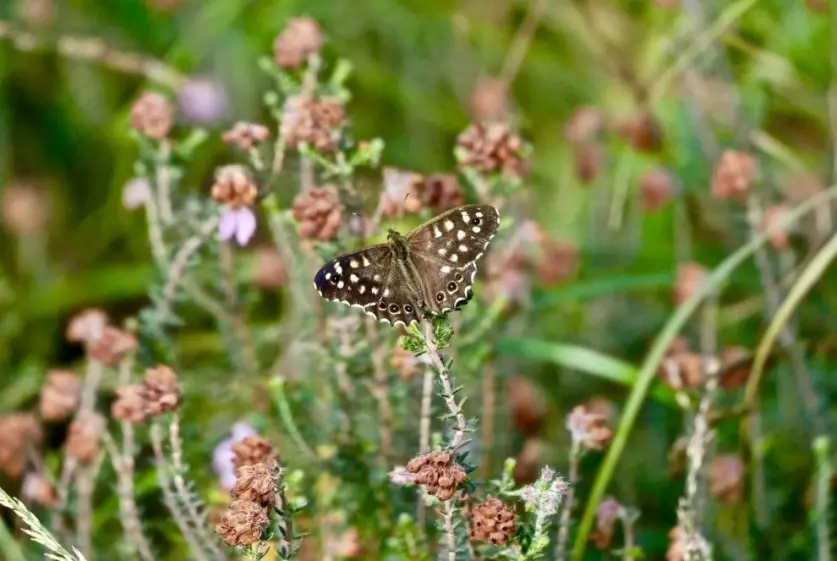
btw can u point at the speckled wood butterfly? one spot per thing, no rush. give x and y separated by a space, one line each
431 269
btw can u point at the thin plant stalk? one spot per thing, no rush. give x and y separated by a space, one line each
566 510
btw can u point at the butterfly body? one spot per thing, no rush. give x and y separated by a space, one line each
430 270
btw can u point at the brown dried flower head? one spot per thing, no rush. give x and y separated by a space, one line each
255 483
557 262
506 276
584 125
642 132
60 395
83 437
39 489
588 160
243 523
129 404
269 269
160 390
114 345
726 478
527 406
607 513
402 192
689 278
253 450
234 186
246 135
24 209
442 192
87 326
152 115
319 213
489 100
492 521
490 148
677 545
656 189
734 175
406 363
316 122
774 216
588 429
529 462
346 545
736 363
19 434
300 39
438 473
683 370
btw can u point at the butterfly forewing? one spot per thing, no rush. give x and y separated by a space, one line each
356 278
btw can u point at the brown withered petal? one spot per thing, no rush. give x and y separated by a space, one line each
682 371
526 404
588 428
114 345
129 404
86 326
584 125
642 132
318 212
253 450
528 462
316 122
689 278
246 135
489 100
243 523
438 473
152 115
234 186
726 478
656 189
38 489
735 367
161 392
255 483
607 514
83 437
734 175
60 395
301 38
443 192
490 148
19 433
492 521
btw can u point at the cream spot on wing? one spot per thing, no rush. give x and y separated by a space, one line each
445 269
448 225
340 284
479 215
365 261
436 231
377 277
386 293
354 264
374 290
463 248
328 276
443 251
466 217
354 278
460 235
454 257
475 229
338 268
362 288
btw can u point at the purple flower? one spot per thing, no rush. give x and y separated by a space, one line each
203 100
239 222
136 193
222 456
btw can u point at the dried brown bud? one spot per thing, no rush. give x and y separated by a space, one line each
526 405
438 473
588 159
736 363
87 326
490 148
557 262
678 542
246 135
269 269
528 462
492 521
734 175
490 99
689 278
129 404
301 38
316 122
152 115
642 131
402 192
682 371
319 213
83 437
255 483
59 396
607 513
442 192
19 433
39 489
243 523
114 345
726 478
234 186
774 216
656 189
406 363
160 391
588 429
584 125
253 450
24 209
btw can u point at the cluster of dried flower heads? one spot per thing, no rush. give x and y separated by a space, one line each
438 473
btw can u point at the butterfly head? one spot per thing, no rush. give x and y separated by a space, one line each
397 243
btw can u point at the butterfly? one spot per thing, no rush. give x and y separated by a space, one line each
430 270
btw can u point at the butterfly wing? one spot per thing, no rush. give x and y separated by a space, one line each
370 280
445 251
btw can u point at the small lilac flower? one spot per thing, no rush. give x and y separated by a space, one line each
203 100
136 193
239 222
222 456
400 476
544 496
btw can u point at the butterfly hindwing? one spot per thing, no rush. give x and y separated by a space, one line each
356 279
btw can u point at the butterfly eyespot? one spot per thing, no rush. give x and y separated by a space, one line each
393 309
382 306
452 286
457 277
440 296
335 278
408 308
476 221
